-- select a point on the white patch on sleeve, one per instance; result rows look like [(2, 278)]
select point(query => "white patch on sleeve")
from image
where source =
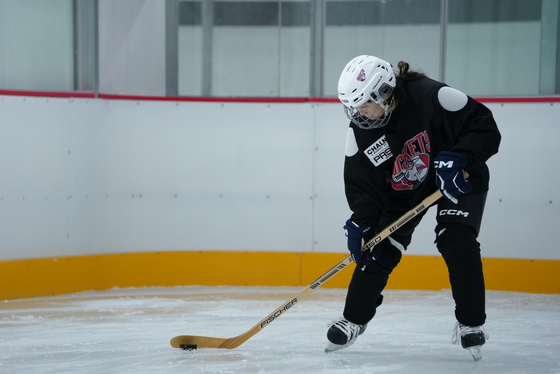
[(351, 145), (452, 99)]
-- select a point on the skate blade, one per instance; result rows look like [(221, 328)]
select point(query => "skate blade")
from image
[(476, 352), (332, 347)]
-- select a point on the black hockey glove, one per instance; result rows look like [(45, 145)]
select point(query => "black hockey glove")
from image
[(450, 175), (355, 235)]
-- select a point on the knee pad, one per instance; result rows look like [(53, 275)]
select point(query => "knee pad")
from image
[(387, 255), (455, 238)]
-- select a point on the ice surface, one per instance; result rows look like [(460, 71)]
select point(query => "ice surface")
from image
[(128, 331)]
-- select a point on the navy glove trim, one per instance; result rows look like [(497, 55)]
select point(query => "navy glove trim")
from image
[(355, 235)]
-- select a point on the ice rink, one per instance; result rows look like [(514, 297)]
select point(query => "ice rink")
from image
[(128, 331)]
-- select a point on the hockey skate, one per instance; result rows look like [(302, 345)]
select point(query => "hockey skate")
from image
[(471, 337), (342, 334)]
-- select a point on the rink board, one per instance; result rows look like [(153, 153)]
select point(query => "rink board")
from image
[(59, 275)]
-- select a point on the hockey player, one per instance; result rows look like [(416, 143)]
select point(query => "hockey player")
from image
[(408, 136)]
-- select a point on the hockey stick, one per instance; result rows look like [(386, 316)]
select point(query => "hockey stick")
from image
[(189, 342)]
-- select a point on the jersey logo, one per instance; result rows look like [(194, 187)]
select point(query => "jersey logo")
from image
[(379, 152), (412, 165)]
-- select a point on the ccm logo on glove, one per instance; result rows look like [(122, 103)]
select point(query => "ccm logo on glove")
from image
[(440, 164)]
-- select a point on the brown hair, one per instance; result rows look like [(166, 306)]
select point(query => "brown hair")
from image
[(404, 76)]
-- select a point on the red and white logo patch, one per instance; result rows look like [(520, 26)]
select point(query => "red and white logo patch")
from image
[(362, 76)]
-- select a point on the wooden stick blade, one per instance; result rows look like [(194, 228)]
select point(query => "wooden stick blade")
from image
[(199, 341), (230, 343)]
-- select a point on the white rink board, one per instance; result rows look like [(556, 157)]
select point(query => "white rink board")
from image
[(91, 176)]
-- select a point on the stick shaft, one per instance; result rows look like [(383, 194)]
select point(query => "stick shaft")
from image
[(425, 204)]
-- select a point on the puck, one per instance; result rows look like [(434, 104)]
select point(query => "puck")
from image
[(188, 347)]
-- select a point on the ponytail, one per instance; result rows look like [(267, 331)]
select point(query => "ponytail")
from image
[(404, 76), (407, 75)]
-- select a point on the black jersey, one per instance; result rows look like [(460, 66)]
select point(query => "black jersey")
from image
[(394, 164)]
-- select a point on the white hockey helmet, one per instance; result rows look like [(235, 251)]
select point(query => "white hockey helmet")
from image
[(367, 78)]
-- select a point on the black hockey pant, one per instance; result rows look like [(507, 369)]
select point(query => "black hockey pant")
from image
[(456, 239)]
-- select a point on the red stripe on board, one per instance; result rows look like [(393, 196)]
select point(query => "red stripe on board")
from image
[(207, 99), (87, 95), (324, 100), (533, 99), (536, 99)]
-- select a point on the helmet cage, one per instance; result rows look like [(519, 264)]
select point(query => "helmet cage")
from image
[(367, 79), (366, 123)]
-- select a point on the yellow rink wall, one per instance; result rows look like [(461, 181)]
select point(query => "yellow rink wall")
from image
[(58, 275)]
